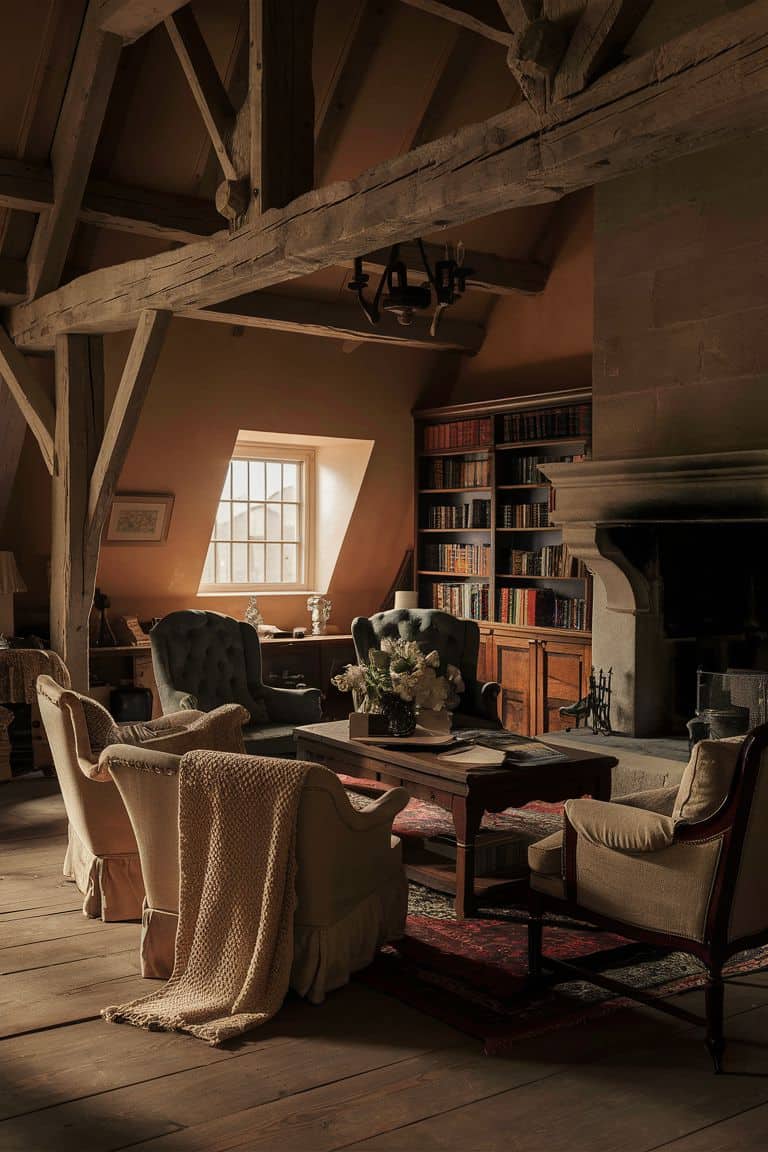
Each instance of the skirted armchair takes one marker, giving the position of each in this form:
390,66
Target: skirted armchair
205,659
681,868
102,858
351,891
457,642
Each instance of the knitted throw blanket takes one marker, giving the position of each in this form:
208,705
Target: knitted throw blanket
237,865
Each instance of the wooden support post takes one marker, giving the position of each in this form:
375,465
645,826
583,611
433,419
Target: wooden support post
73,561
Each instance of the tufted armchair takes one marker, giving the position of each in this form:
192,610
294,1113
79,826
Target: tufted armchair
458,643
205,659
681,868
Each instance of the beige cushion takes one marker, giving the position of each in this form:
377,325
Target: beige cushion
652,800
706,779
546,856
618,827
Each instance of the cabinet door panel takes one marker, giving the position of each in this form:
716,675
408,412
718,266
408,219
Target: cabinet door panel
563,673
515,660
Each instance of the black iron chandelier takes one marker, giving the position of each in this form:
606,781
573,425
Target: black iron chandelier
446,283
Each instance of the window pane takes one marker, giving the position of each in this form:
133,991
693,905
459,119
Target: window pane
239,479
290,521
273,522
222,522
209,571
239,563
290,559
222,563
273,563
227,489
256,553
239,521
290,481
257,522
256,471
274,482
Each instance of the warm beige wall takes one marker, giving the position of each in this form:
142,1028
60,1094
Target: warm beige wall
208,385
681,353
542,342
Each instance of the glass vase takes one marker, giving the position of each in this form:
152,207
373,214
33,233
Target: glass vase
400,714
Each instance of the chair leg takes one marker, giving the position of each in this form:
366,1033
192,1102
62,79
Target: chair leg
534,944
713,997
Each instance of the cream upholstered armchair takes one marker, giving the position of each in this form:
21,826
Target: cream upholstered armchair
681,868
351,892
102,858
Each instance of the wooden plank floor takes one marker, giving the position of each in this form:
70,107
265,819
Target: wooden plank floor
362,1071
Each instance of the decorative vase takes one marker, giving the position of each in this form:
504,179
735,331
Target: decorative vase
400,714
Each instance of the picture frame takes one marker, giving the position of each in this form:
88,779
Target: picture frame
139,518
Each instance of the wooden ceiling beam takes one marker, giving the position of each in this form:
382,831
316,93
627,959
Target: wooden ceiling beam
338,322
695,92
34,403
130,19
480,16
25,186
205,84
12,429
13,280
74,144
490,273
604,27
143,212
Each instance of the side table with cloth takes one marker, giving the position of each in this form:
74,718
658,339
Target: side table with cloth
19,670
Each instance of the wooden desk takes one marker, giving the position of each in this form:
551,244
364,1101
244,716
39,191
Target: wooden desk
463,791
313,660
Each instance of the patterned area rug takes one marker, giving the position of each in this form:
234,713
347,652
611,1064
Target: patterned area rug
473,974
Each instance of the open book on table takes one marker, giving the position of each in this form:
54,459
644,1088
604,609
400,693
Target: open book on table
481,747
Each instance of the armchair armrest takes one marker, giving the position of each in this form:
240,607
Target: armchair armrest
381,811
174,720
292,705
179,701
141,758
616,826
220,730
481,700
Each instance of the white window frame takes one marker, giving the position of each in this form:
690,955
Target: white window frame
306,541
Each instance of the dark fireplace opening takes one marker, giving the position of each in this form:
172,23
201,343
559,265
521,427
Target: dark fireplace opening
709,585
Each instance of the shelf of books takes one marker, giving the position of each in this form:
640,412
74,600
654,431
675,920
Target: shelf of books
486,545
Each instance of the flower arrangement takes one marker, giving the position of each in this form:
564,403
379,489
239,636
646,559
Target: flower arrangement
401,669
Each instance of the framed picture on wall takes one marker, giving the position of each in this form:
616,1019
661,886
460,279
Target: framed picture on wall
139,518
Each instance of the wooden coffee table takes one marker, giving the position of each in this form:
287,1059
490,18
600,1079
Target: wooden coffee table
463,791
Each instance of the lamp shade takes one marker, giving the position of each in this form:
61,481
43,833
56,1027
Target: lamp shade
405,600
10,578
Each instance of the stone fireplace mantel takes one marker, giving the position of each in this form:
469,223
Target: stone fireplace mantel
597,498
719,486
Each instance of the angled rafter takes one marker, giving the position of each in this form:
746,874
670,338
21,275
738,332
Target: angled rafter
205,84
74,144
604,26
483,17
368,29
706,86
130,19
338,322
124,416
30,396
12,428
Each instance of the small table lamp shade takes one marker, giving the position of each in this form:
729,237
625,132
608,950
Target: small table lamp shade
406,600
10,582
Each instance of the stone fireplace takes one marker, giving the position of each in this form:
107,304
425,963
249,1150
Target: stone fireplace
676,545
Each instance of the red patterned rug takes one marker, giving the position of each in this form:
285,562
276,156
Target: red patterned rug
472,975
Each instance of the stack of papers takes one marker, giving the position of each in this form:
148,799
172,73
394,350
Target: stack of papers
481,748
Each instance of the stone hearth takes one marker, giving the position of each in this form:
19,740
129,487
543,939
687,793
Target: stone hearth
674,544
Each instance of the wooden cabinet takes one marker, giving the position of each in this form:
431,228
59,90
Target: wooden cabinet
538,674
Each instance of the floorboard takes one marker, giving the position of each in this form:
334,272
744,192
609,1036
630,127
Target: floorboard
361,1071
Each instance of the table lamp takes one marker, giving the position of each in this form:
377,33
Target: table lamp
10,582
405,600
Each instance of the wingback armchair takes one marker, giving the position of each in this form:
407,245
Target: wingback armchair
680,868
457,642
102,857
351,891
205,659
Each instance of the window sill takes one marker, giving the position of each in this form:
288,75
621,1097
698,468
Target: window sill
247,592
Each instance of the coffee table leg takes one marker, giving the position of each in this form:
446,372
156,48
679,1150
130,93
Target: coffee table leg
467,816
